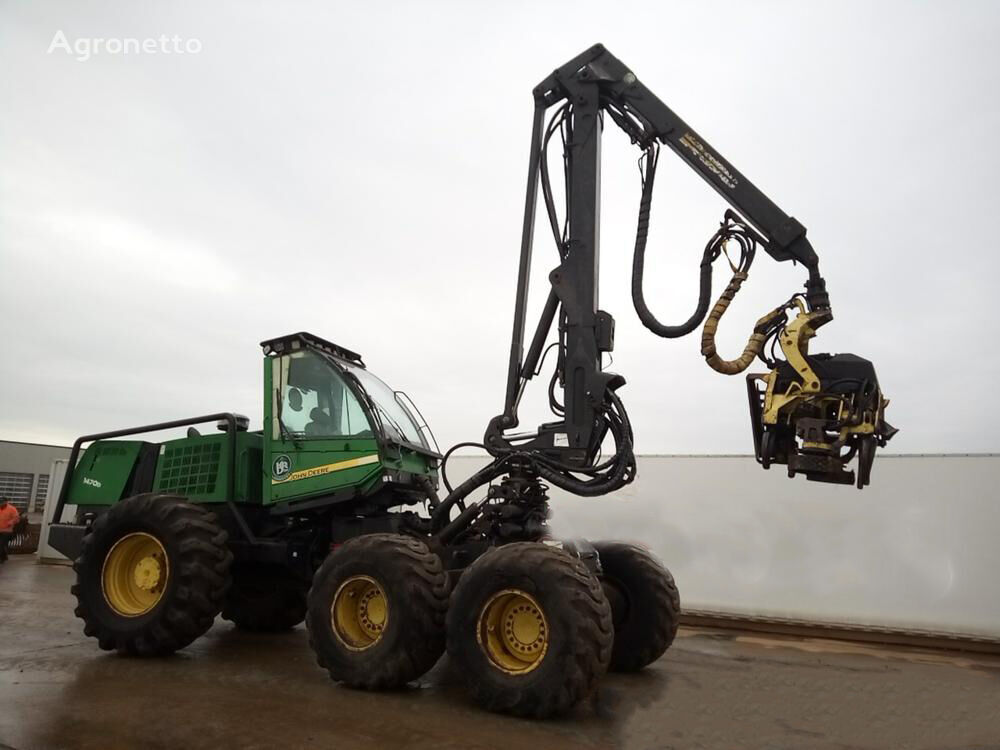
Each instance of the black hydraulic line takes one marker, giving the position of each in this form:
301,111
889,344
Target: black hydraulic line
524,268
543,165
638,266
461,522
541,363
432,497
489,472
554,405
552,301
622,463
447,455
591,471
623,473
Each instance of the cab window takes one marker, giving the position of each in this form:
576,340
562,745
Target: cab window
312,400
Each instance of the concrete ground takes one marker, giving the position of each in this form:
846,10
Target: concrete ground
713,689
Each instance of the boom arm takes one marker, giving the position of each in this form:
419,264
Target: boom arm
593,83
591,87
831,403
646,119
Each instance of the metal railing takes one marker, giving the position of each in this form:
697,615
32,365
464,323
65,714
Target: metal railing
228,417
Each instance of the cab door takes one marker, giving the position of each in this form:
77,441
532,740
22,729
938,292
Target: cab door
319,439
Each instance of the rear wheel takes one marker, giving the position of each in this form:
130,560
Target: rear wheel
530,628
645,604
376,611
151,575
265,599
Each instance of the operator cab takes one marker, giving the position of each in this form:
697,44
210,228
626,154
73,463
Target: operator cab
322,390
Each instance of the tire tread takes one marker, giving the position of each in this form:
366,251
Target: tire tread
426,585
663,605
588,623
201,566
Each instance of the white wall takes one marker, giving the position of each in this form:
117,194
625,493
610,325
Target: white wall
918,548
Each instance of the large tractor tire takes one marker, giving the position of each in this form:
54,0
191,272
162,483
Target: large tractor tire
530,628
377,609
265,599
152,575
645,604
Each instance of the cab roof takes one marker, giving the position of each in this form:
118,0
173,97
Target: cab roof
302,340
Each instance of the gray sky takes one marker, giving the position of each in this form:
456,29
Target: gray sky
358,171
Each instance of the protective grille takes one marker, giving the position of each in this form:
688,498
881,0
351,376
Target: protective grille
190,469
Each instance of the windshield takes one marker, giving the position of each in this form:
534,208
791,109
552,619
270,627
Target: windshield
315,402
398,420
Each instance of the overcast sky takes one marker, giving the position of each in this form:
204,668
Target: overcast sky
357,170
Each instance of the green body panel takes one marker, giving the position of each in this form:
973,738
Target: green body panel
198,468
412,462
310,467
195,467
103,472
296,469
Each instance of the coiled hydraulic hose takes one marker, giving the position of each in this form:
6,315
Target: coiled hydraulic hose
736,231
613,474
708,351
755,345
731,229
638,264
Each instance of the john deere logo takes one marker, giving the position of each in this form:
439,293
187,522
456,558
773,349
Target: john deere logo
281,467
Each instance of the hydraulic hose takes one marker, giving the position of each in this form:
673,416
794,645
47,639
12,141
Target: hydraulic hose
735,231
715,246
754,346
439,516
638,264
623,474
447,455
620,467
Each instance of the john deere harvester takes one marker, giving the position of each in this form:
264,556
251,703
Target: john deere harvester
330,513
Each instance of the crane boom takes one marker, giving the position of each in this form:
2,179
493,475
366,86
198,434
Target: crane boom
814,413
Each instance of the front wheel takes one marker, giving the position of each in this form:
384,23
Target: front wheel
530,628
151,575
645,604
376,611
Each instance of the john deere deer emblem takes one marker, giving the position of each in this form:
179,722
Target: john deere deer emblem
281,467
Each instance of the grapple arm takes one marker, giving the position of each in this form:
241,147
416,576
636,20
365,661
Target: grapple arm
832,419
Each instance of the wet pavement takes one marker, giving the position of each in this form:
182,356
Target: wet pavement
713,689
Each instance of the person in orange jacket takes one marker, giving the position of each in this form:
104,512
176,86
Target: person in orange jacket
8,519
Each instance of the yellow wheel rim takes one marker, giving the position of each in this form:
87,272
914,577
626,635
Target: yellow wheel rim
135,574
513,631
359,613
